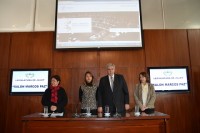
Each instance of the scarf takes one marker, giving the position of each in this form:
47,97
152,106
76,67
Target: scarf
89,84
54,93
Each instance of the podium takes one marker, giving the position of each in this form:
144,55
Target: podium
145,123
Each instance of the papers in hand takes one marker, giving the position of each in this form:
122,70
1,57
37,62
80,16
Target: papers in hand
51,114
56,114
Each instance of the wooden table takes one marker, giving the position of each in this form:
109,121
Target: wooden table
153,123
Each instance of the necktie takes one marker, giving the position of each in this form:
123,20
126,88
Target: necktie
112,83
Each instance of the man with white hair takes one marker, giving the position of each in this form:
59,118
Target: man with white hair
113,92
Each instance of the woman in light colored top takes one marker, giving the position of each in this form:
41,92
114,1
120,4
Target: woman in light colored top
87,94
144,94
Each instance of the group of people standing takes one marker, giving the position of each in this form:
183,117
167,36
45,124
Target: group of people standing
112,91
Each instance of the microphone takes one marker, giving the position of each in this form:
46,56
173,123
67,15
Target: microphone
76,111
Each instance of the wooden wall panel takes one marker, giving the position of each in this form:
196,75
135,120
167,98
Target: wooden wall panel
194,43
123,58
75,59
31,50
162,48
18,106
170,48
166,48
14,112
4,89
4,49
28,50
196,99
4,54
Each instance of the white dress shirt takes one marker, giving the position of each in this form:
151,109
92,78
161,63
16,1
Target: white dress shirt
111,80
144,93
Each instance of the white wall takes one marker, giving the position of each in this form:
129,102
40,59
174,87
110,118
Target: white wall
39,15
45,15
171,14
16,15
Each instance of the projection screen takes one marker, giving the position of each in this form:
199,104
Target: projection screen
98,24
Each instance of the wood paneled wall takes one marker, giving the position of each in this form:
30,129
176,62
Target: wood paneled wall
194,48
161,48
170,48
4,68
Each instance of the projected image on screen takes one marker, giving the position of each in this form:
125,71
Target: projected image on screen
96,24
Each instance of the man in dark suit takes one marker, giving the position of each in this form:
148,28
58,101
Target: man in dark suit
113,92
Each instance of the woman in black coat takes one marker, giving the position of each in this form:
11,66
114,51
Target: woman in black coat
55,96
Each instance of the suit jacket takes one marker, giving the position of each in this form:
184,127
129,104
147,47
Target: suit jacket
151,96
116,98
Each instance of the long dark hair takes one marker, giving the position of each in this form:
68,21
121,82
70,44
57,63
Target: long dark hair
146,75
